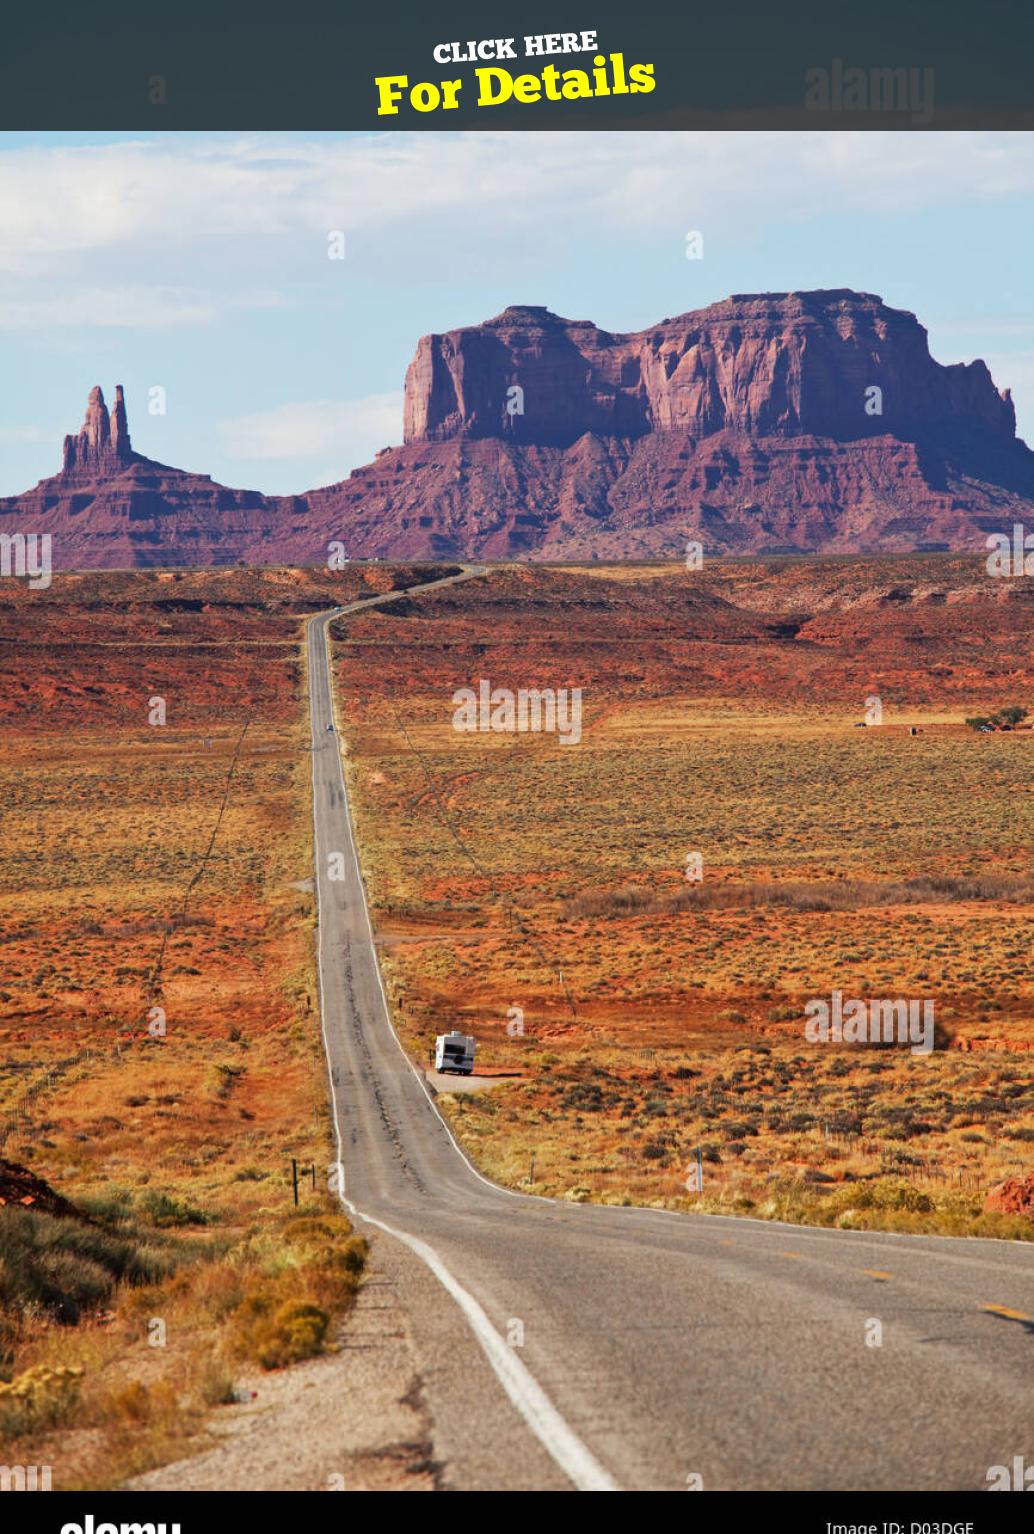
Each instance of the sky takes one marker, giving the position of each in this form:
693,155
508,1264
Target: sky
199,265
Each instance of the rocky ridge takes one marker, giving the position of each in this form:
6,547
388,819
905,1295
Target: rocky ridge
775,423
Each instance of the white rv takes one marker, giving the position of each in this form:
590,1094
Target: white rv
454,1052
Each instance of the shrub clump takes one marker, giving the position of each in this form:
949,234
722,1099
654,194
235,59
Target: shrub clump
274,1337
285,1314
163,1210
39,1398
64,1266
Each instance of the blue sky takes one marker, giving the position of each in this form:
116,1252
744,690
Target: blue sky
198,264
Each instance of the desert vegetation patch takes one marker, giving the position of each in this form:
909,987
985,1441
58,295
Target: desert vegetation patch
799,727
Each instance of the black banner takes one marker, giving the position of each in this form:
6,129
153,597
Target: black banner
330,64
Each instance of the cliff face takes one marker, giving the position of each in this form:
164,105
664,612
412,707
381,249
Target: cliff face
769,365
111,508
776,423
102,446
751,425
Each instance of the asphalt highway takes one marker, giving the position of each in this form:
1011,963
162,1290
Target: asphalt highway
579,1346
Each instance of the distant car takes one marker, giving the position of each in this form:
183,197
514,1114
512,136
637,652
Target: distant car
330,726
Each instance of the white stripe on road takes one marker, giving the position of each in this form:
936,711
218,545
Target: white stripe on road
559,1440
523,1391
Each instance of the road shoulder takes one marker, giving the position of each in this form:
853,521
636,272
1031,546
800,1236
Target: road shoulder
352,1420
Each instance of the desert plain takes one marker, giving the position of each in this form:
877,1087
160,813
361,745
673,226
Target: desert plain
792,730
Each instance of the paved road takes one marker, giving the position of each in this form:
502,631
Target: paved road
655,1346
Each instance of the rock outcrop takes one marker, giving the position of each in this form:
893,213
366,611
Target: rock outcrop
112,508
21,1188
103,445
767,423
774,423
1014,1196
779,365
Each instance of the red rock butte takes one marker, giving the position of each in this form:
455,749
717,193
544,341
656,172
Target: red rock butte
103,440
813,422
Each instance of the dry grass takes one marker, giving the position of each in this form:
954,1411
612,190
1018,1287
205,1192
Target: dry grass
509,872
178,1145
162,1340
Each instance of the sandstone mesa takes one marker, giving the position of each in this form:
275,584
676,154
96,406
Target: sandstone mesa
779,423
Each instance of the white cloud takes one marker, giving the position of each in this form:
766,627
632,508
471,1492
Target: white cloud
63,205
122,308
346,431
173,231
179,232
139,308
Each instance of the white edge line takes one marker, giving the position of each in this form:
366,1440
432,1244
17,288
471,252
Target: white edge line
524,1392
529,1399
496,1187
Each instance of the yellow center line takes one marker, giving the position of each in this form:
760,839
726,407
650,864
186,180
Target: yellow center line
1009,1314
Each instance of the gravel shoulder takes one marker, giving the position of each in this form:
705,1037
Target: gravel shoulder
352,1420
